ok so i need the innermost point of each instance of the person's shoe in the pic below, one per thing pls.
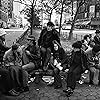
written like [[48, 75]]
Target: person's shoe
[[50, 84], [26, 89], [68, 91], [13, 93], [19, 90]]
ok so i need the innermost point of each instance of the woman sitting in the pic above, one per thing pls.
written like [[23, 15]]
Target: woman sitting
[[59, 63]]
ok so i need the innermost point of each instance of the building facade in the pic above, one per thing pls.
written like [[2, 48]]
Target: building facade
[[6, 7], [89, 15]]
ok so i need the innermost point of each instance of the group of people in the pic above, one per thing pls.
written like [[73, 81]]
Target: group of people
[[18, 62]]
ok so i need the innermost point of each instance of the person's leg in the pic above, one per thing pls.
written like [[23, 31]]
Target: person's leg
[[6, 83], [91, 75], [43, 55], [29, 67], [25, 80], [5, 80], [15, 74], [57, 78], [73, 77], [47, 58]]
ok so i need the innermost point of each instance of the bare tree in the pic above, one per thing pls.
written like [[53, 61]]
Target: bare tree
[[79, 5], [49, 6], [29, 11]]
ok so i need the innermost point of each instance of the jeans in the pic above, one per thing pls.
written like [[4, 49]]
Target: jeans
[[6, 82], [46, 54], [73, 76]]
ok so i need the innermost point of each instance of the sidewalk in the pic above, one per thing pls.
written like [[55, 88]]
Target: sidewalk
[[42, 92]]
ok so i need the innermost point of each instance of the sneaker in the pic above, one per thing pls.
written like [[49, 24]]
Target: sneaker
[[68, 91], [13, 93], [50, 84]]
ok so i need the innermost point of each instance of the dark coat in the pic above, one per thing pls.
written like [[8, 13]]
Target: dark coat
[[81, 61], [46, 38]]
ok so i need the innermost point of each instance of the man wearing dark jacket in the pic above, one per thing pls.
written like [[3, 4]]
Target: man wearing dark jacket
[[45, 42], [78, 64]]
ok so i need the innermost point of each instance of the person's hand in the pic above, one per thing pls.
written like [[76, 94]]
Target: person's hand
[[28, 52]]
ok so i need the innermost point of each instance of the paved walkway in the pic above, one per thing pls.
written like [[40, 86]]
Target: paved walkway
[[43, 92]]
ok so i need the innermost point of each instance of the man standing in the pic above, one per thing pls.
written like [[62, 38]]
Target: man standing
[[45, 42]]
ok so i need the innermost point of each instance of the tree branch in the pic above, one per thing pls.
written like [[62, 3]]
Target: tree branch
[[23, 3]]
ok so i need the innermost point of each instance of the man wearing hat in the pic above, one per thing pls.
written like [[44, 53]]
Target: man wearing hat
[[96, 39], [78, 64], [45, 42]]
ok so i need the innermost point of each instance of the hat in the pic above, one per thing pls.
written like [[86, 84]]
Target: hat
[[97, 31], [15, 46], [77, 44], [50, 24], [31, 37], [96, 48], [2, 32]]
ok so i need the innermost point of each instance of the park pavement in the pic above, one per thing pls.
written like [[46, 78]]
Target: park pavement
[[41, 91]]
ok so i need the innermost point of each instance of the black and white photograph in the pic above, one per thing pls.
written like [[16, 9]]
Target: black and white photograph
[[49, 49]]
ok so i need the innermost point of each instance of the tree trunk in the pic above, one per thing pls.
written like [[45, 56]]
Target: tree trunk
[[50, 16], [61, 19], [72, 26], [32, 20]]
